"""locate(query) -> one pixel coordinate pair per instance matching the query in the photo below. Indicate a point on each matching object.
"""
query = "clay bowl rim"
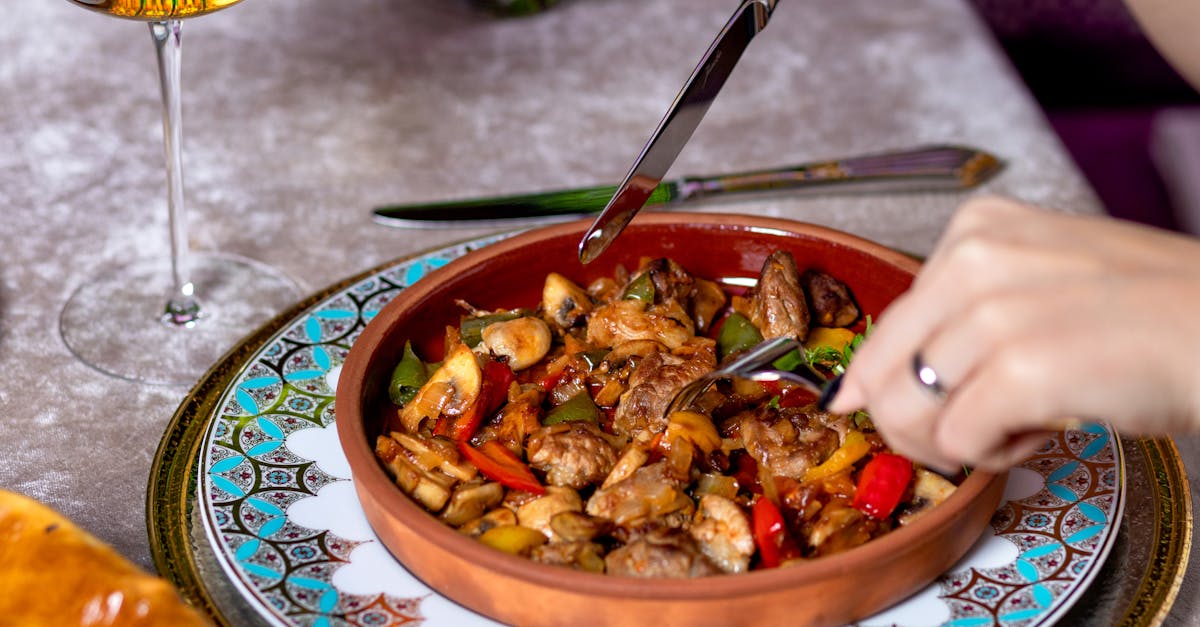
(372, 479)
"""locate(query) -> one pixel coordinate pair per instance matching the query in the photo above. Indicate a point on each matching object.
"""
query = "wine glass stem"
(182, 308)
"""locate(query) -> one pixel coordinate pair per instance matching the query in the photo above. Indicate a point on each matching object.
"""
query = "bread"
(54, 573)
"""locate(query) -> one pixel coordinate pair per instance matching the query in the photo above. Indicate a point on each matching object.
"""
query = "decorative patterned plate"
(266, 493)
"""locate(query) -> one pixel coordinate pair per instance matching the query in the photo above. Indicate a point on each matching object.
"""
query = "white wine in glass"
(142, 323)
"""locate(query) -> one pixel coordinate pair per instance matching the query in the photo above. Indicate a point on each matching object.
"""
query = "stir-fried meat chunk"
(628, 320)
(832, 305)
(707, 301)
(514, 422)
(654, 382)
(651, 493)
(787, 441)
(722, 532)
(572, 454)
(671, 282)
(779, 308)
(661, 553)
(838, 528)
(582, 555)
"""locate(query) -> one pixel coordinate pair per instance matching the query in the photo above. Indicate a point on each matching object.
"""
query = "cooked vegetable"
(854, 447)
(640, 288)
(823, 353)
(522, 341)
(429, 487)
(499, 464)
(513, 539)
(451, 390)
(693, 428)
(470, 328)
(771, 536)
(565, 302)
(470, 501)
(495, 379)
(578, 408)
(737, 334)
(407, 377)
(929, 490)
(538, 513)
(881, 484)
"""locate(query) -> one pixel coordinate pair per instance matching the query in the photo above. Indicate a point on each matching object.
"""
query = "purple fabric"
(1100, 82)
(1082, 53)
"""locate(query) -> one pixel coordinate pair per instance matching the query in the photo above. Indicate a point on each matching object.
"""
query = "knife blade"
(924, 168)
(677, 126)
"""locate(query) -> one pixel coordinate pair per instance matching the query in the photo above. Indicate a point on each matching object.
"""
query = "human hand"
(1033, 320)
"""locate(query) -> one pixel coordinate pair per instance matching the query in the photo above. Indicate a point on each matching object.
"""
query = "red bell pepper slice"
(498, 463)
(771, 535)
(881, 485)
(790, 395)
(493, 391)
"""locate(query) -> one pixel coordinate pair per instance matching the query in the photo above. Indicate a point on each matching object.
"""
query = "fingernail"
(830, 391)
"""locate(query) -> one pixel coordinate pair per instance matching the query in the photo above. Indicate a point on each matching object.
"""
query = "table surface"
(300, 116)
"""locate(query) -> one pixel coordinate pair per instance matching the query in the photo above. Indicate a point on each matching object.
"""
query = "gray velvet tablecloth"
(301, 116)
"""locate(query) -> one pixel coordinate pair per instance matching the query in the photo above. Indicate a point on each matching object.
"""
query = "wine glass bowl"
(144, 10)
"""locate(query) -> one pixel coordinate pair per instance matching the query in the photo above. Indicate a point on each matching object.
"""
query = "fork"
(753, 366)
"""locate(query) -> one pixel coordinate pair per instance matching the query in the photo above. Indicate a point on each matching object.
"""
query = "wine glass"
(141, 323)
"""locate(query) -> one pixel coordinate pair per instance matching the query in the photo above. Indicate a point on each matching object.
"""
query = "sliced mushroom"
(429, 453)
(524, 341)
(495, 518)
(565, 302)
(450, 390)
(431, 488)
(537, 513)
(578, 527)
(929, 490)
(471, 500)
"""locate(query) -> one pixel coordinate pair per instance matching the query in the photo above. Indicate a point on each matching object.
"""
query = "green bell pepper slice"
(640, 288)
(737, 334)
(471, 327)
(407, 377)
(578, 408)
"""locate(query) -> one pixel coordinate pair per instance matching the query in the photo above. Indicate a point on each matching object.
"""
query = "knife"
(934, 167)
(676, 126)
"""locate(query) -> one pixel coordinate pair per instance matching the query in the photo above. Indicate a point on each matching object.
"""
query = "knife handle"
(927, 166)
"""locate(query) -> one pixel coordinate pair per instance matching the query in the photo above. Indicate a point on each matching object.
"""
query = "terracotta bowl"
(830, 590)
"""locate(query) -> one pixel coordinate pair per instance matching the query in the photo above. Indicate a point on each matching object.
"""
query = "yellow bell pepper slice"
(513, 539)
(693, 427)
(828, 337)
(853, 448)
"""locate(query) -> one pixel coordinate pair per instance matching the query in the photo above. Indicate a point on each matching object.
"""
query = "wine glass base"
(114, 323)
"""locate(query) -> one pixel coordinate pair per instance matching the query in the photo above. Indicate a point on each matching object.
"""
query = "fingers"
(1029, 318)
(907, 419)
(975, 260)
